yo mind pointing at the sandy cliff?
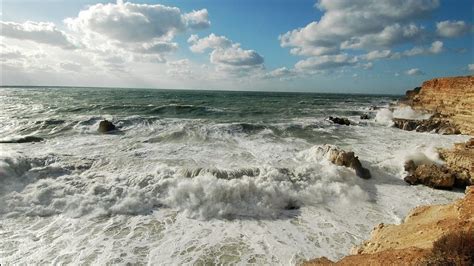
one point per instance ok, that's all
(452, 98)
(430, 235)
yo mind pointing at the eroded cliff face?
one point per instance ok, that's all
(452, 98)
(430, 235)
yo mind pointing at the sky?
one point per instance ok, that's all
(349, 46)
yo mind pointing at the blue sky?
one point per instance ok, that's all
(365, 46)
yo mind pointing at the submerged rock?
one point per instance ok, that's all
(364, 116)
(106, 126)
(340, 120)
(342, 158)
(23, 140)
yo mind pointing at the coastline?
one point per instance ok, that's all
(433, 234)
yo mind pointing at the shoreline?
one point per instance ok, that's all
(432, 234)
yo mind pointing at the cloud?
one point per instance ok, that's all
(281, 73)
(451, 29)
(414, 72)
(210, 42)
(377, 54)
(130, 22)
(226, 54)
(40, 32)
(197, 19)
(326, 62)
(470, 67)
(70, 66)
(236, 56)
(435, 48)
(156, 48)
(364, 24)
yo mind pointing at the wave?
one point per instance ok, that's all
(177, 109)
(49, 186)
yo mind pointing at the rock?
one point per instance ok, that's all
(429, 235)
(410, 166)
(460, 160)
(364, 116)
(23, 140)
(343, 158)
(436, 125)
(106, 126)
(452, 98)
(432, 175)
(340, 120)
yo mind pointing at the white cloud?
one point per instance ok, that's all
(470, 67)
(326, 62)
(236, 56)
(363, 24)
(228, 56)
(281, 73)
(40, 32)
(377, 54)
(450, 29)
(436, 47)
(197, 19)
(210, 42)
(129, 22)
(156, 48)
(414, 72)
(70, 66)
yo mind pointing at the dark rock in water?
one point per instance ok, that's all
(433, 124)
(432, 175)
(364, 116)
(340, 120)
(24, 140)
(374, 108)
(347, 159)
(106, 126)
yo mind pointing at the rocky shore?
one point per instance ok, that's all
(430, 235)
(449, 99)
(438, 234)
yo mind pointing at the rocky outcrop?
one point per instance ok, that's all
(456, 172)
(437, 125)
(460, 160)
(452, 98)
(106, 126)
(432, 175)
(340, 120)
(343, 158)
(430, 235)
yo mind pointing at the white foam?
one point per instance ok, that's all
(90, 198)
(406, 112)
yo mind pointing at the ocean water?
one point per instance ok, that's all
(199, 177)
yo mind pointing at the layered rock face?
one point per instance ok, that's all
(452, 98)
(430, 235)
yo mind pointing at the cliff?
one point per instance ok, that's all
(430, 235)
(451, 98)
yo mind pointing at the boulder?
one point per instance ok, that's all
(432, 175)
(364, 116)
(106, 126)
(342, 158)
(340, 120)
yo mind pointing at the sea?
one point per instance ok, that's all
(199, 177)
